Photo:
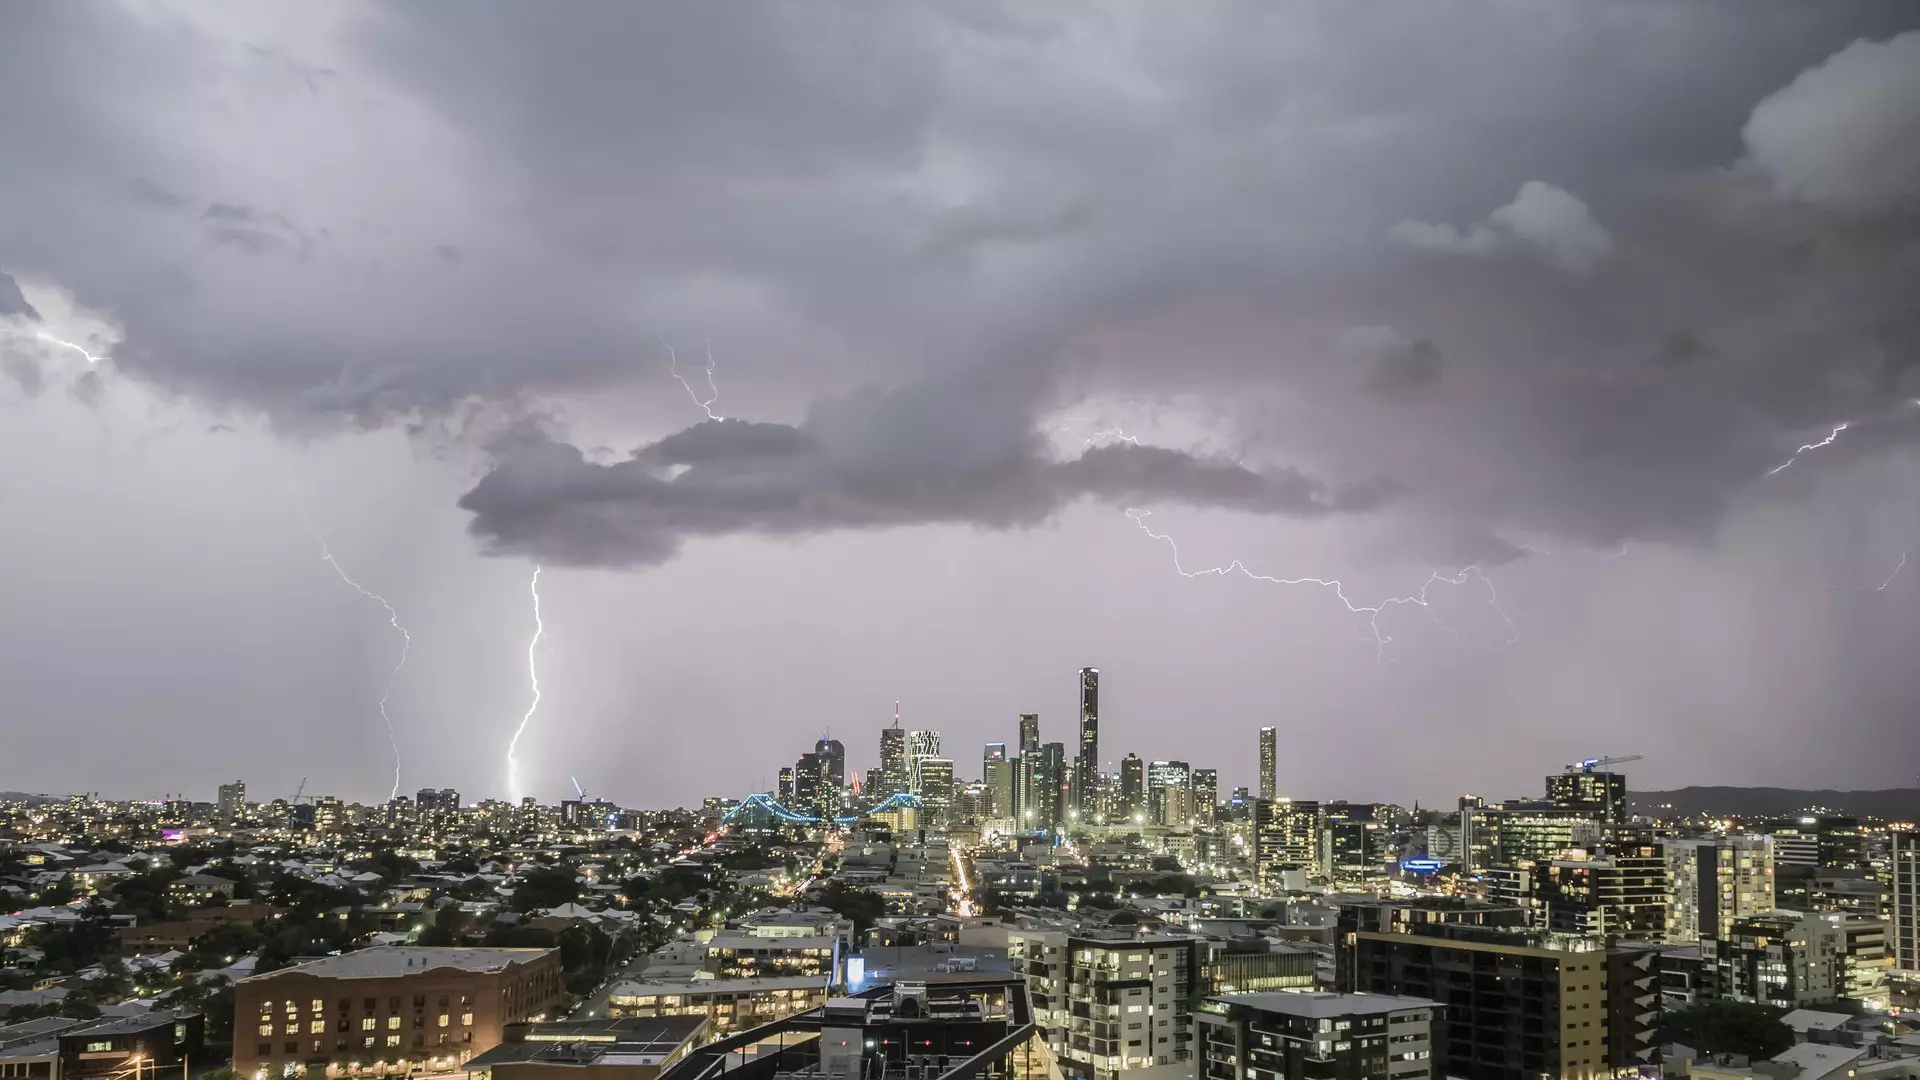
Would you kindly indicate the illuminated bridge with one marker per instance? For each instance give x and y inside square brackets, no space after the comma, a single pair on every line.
[769,805]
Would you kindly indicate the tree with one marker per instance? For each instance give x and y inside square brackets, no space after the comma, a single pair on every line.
[546,887]
[1729,1027]
[853,903]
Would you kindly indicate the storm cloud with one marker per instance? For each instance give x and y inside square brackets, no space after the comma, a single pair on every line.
[1393,289]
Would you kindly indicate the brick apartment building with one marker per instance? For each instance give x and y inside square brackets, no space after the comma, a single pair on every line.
[388,1010]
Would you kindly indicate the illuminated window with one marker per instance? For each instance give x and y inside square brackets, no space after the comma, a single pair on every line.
[315,1027]
[393,1040]
[317,1006]
[466,1019]
[443,1019]
[368,1023]
[266,1029]
[393,1023]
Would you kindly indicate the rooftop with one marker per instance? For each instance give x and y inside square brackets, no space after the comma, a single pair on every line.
[1325,1006]
[628,1041]
[390,961]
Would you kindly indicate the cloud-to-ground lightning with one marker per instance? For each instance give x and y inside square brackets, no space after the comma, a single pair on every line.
[1373,612]
[1810,447]
[393,619]
[713,388]
[533,679]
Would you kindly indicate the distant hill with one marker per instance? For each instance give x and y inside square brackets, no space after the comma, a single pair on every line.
[1892,803]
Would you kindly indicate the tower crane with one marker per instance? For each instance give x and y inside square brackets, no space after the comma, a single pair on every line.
[1591,764]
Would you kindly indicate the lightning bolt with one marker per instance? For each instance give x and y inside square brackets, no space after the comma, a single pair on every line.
[1810,447]
[393,619]
[1882,587]
[713,388]
[1380,638]
[533,678]
[52,339]
[1373,611]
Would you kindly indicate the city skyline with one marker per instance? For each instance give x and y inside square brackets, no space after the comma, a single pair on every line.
[392,394]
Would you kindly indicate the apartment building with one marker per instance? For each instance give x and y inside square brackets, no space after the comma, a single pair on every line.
[388,1010]
[1111,1004]
[1282,1036]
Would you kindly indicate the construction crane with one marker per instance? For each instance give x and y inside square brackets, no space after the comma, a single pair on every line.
[299,790]
[1600,763]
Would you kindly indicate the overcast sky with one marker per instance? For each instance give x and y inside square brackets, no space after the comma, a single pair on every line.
[1505,317]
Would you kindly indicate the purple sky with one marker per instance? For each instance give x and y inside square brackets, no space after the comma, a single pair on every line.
[1334,292]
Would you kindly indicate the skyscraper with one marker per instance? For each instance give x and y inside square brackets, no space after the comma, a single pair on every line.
[1086,780]
[996,772]
[1029,733]
[1269,763]
[233,802]
[1050,782]
[1133,787]
[920,746]
[893,757]
[1206,795]
[833,762]
[936,789]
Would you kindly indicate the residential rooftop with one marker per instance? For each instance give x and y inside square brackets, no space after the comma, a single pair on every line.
[1325,1006]
[390,961]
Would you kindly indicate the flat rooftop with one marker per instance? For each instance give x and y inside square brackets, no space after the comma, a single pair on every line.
[390,961]
[617,1041]
[718,986]
[1325,1006]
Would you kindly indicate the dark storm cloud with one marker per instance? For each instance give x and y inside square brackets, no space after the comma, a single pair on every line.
[12,301]
[910,194]
[725,477]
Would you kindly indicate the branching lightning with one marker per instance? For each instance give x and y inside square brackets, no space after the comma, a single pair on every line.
[713,388]
[1828,441]
[1373,612]
[52,339]
[533,679]
[1378,636]
[393,619]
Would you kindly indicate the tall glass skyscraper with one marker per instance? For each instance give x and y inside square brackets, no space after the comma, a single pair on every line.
[1086,778]
[1269,763]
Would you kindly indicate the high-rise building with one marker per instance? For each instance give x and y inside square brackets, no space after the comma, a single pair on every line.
[937,790]
[785,792]
[1086,778]
[1715,881]
[1904,939]
[1136,990]
[1206,795]
[808,792]
[1169,798]
[1621,896]
[1353,1036]
[1051,783]
[1029,733]
[1133,788]
[1782,958]
[1269,763]
[920,745]
[996,771]
[233,802]
[833,763]
[893,758]
[1600,795]
[1519,1002]
[1826,840]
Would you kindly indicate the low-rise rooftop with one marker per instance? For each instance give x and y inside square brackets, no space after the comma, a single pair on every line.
[390,961]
